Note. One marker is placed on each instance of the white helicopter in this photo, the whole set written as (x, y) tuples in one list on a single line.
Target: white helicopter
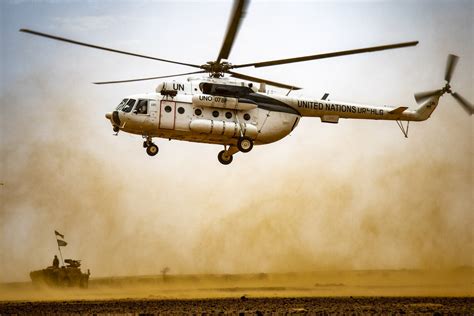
[(238, 115)]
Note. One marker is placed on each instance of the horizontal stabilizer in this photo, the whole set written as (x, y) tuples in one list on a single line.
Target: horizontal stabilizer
[(398, 110)]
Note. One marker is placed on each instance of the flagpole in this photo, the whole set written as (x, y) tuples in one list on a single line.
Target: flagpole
[(60, 253)]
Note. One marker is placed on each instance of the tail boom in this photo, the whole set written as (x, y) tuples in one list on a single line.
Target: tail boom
[(331, 111)]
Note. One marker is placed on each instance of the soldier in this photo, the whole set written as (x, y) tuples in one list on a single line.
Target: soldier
[(56, 261)]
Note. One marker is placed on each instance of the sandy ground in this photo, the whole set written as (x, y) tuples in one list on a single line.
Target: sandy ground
[(359, 292), (252, 306)]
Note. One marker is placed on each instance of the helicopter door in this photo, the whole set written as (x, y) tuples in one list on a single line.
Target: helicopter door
[(167, 114)]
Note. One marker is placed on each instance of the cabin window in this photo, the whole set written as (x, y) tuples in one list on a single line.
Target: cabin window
[(215, 113), (180, 110), (129, 106), (142, 107), (246, 116), (228, 115), (168, 109), (198, 112)]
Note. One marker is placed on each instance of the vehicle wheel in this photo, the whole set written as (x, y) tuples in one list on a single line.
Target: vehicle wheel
[(224, 158), (245, 144), (152, 150)]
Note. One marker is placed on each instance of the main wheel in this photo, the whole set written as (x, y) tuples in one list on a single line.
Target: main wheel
[(152, 150), (245, 144), (224, 158)]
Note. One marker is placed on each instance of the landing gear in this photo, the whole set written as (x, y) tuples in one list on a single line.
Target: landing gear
[(245, 144), (224, 158), (151, 149)]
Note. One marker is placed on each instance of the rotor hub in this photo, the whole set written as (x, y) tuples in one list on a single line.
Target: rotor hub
[(447, 89), (216, 69)]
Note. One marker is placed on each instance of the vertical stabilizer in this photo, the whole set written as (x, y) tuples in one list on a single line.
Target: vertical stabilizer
[(425, 110)]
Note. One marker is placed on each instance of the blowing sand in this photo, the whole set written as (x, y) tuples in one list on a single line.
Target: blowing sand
[(412, 291)]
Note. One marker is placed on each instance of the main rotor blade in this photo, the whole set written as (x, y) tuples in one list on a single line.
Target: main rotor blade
[(326, 55), (464, 103), (255, 79), (238, 13), (423, 96), (450, 66), (150, 78), (63, 39)]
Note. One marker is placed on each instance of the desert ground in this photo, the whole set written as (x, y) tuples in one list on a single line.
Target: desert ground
[(355, 292)]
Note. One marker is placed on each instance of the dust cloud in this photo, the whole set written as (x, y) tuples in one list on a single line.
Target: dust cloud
[(400, 220), (338, 203)]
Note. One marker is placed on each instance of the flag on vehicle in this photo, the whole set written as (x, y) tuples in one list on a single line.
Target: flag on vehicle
[(61, 243), (58, 234)]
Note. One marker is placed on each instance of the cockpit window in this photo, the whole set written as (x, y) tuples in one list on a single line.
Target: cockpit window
[(142, 107), (128, 106), (120, 106)]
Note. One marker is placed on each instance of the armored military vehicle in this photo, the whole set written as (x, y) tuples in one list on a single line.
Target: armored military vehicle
[(69, 275)]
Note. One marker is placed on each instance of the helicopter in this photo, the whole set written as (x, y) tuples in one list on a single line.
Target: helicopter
[(227, 108)]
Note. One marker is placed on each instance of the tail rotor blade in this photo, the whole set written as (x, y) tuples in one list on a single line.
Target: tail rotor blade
[(464, 103), (423, 96), (450, 65)]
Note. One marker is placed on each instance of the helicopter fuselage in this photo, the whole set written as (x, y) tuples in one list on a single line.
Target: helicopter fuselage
[(178, 118), (178, 111), (219, 111)]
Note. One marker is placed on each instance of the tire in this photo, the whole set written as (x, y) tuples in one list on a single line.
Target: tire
[(224, 159), (245, 144), (152, 150)]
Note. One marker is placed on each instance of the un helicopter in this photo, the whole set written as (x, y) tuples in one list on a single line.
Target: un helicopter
[(221, 109)]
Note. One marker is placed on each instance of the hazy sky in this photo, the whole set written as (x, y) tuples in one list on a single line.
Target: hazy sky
[(354, 195)]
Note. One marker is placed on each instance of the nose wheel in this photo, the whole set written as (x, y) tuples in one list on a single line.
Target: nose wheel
[(151, 148)]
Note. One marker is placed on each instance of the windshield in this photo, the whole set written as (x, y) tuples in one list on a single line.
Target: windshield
[(119, 107), (128, 106)]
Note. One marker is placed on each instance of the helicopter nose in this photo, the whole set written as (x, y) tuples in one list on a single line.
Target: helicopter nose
[(115, 118)]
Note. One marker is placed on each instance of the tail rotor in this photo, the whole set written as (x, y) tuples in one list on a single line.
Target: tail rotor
[(421, 97)]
